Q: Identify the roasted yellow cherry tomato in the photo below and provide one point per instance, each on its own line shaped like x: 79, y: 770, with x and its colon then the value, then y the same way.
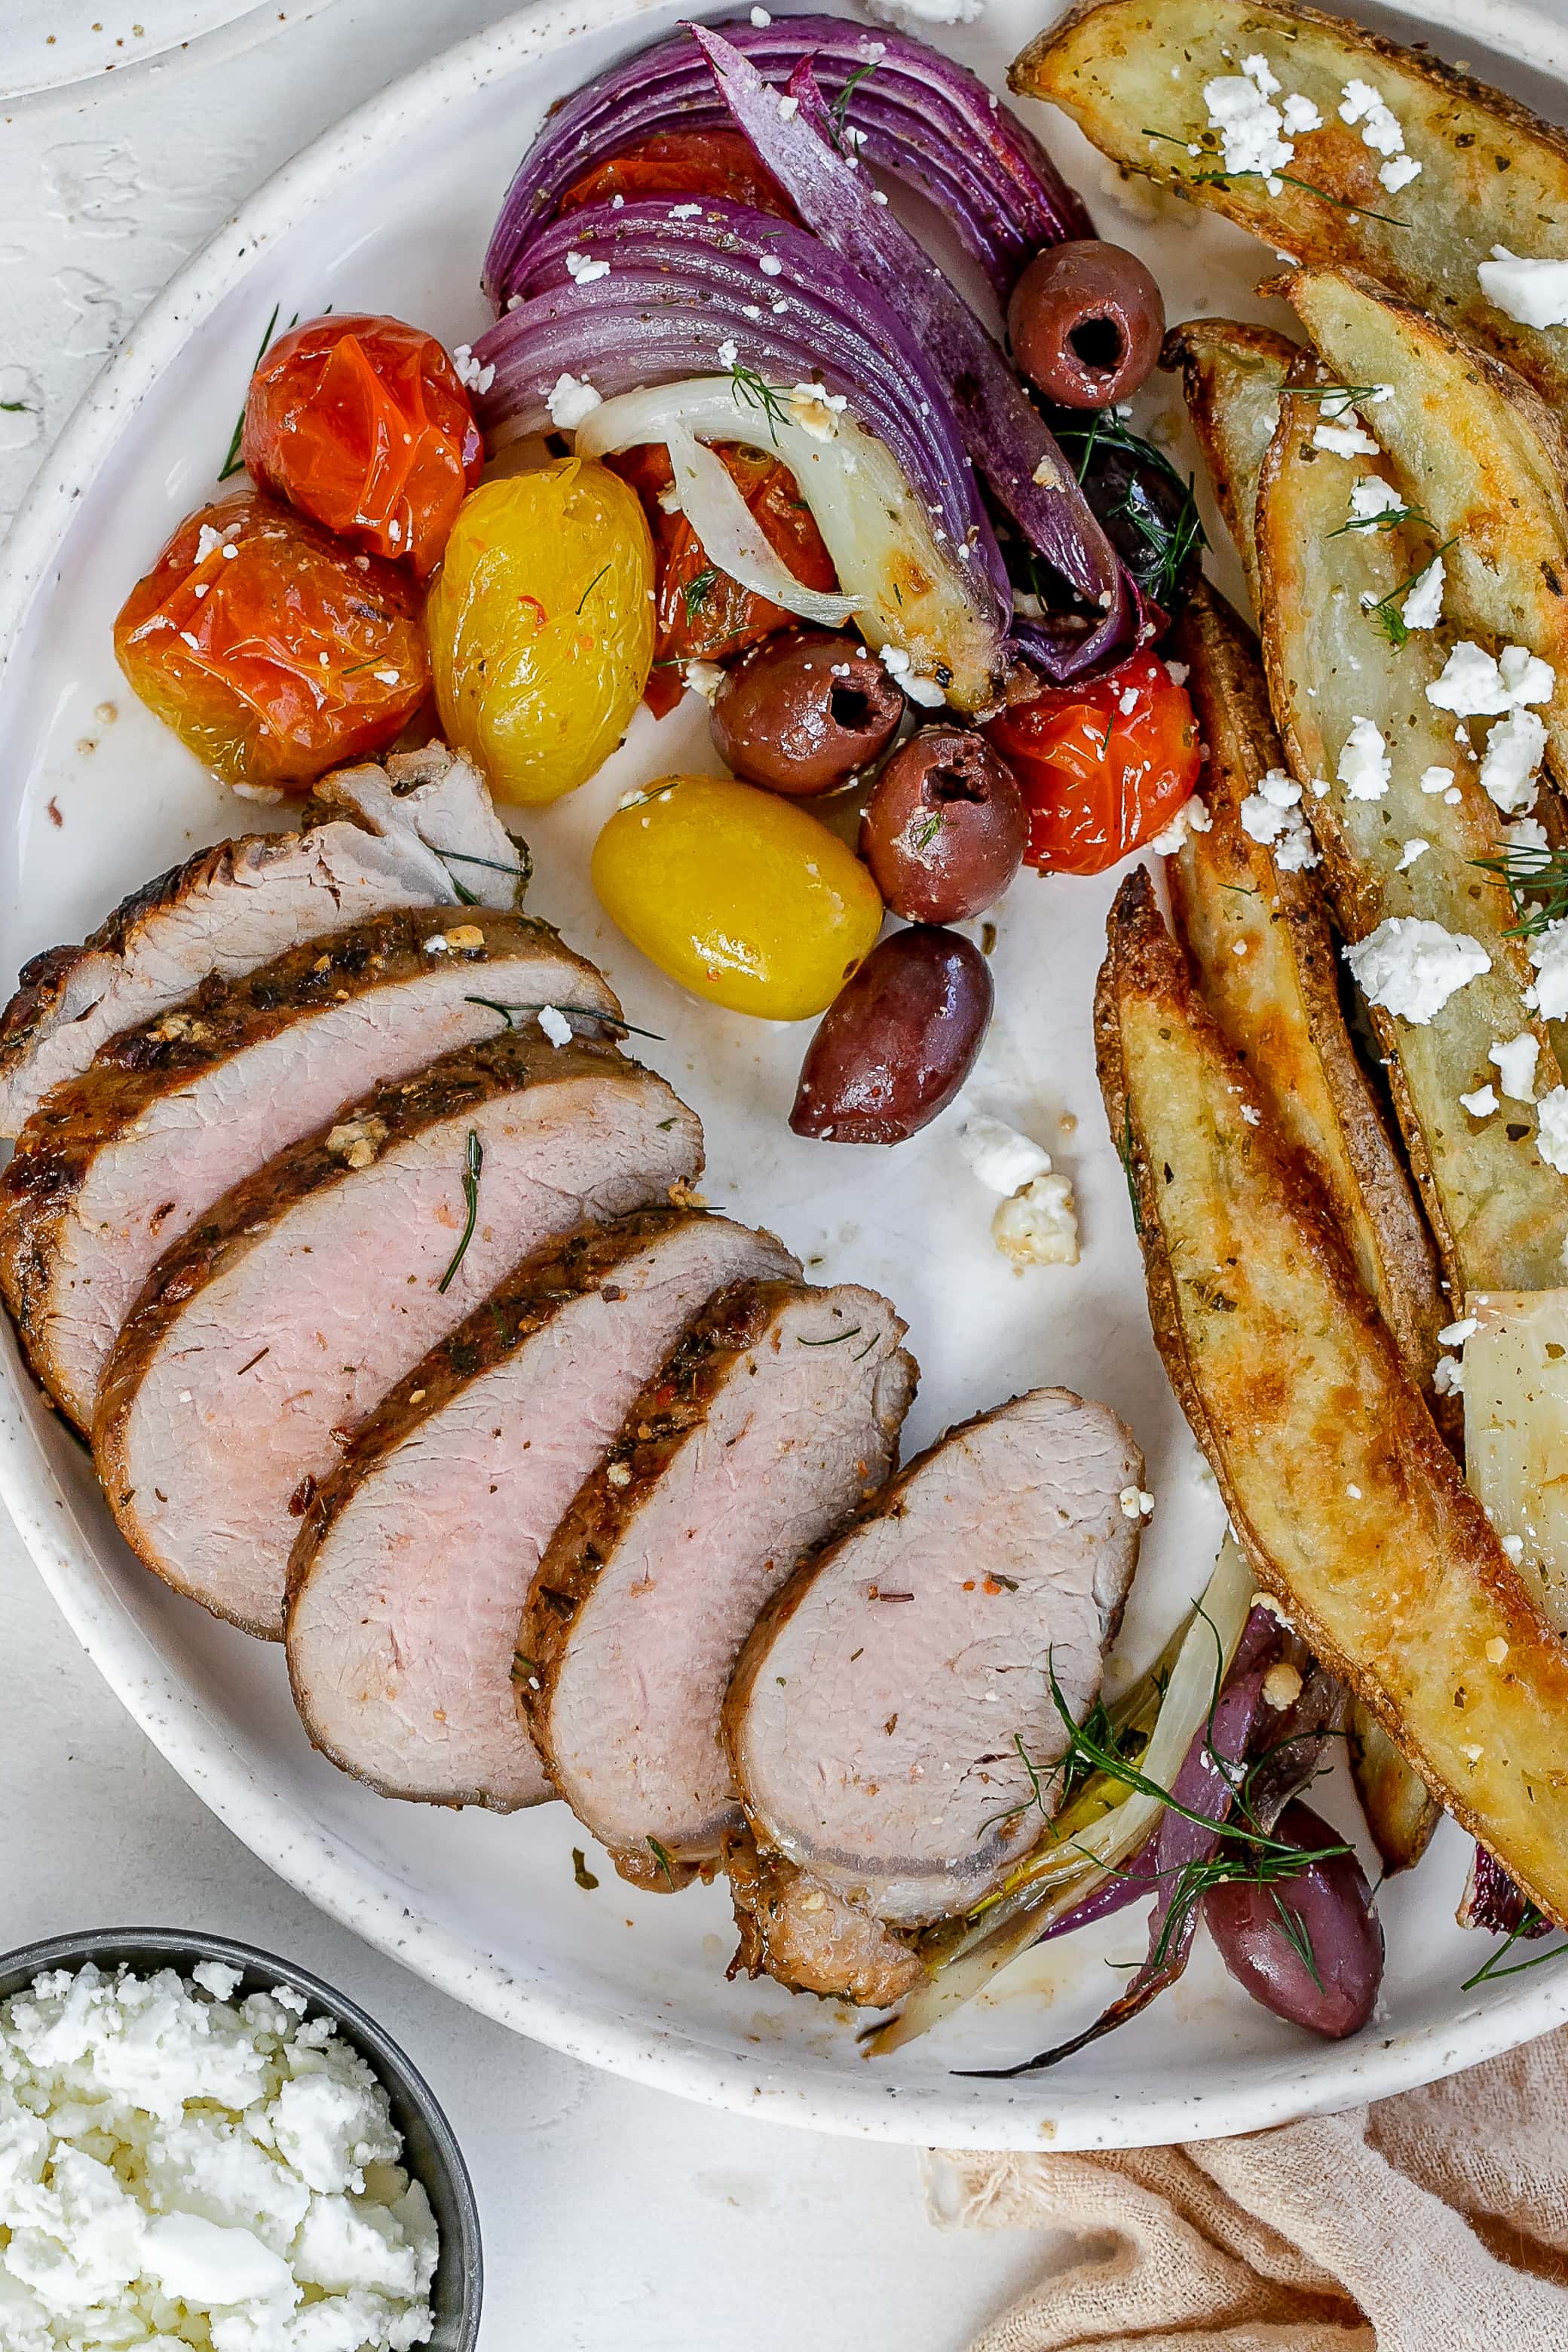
x: 540, y: 625
x: 737, y: 894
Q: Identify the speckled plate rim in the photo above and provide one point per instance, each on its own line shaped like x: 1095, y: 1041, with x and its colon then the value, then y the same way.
x: 196, y: 1739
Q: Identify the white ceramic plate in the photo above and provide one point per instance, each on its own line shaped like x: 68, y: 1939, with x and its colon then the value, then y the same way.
x: 391, y: 213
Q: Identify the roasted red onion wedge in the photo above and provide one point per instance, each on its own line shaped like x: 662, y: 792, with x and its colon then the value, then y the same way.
x: 903, y: 106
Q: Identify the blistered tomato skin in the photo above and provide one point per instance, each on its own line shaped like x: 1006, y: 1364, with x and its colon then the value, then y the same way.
x: 271, y: 651
x: 898, y: 1042
x: 362, y: 424
x: 1103, y: 764
x: 541, y: 625
x: 738, y: 894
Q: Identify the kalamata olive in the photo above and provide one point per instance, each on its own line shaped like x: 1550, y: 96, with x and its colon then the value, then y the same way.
x: 1087, y: 321
x: 898, y: 1041
x: 1322, y: 1967
x: 945, y: 828
x: 802, y: 711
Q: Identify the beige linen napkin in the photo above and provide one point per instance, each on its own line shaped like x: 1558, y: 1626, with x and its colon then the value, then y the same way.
x: 1434, y: 2222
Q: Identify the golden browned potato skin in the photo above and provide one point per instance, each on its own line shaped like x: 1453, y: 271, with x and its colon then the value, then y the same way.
x: 1475, y: 450
x: 1132, y: 74
x: 1348, y: 1503
x: 1259, y: 940
x: 1232, y: 377
x: 1499, y: 1212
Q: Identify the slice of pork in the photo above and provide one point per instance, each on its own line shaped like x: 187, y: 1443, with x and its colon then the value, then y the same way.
x: 290, y: 1310
x: 231, y: 908
x: 877, y: 1716
x: 778, y: 1414
x: 117, y: 1165
x: 812, y: 1938
x: 413, y: 1560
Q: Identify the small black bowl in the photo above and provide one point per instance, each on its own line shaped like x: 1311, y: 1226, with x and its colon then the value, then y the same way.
x: 430, y: 2153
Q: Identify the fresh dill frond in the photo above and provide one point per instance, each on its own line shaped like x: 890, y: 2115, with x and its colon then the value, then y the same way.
x: 1222, y: 179
x: 473, y: 1167
x: 1492, y: 1968
x: 1536, y: 880
x: 753, y: 391
x: 841, y: 103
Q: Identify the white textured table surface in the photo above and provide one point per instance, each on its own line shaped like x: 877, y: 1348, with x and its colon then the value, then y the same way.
x: 615, y: 2217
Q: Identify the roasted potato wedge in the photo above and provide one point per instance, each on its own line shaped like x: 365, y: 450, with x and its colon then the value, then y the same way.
x: 1258, y: 939
x: 1500, y: 1213
x: 1342, y: 1494
x: 1480, y: 456
x: 1133, y: 73
x: 1232, y: 376
x: 1400, y: 1810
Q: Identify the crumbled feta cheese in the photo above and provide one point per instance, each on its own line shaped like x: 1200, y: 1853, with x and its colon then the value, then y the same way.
x: 583, y: 269
x: 898, y: 667
x: 1551, y: 1128
x: 1127, y: 702
x: 817, y: 410
x: 1039, y: 1226
x: 238, y: 2162
x: 1456, y: 1334
x: 208, y: 543
x: 1348, y: 440
x: 1436, y: 780
x: 1482, y: 1103
x: 470, y: 373
x: 1531, y: 293
x: 1249, y: 127
x: 1136, y: 1502
x: 1272, y: 815
x: 909, y: 13
x: 1281, y: 1686
x: 1549, y: 954
x: 1365, y: 766
x: 1528, y: 833
x: 1381, y: 130
x: 572, y: 398
x: 1413, y: 851
x: 1192, y: 816
x: 788, y: 108
x: 1510, y: 765
x: 760, y: 18
x: 685, y: 212
x: 555, y: 1025
x: 1423, y: 608
x: 1370, y: 496
x: 1177, y: 672
x: 1474, y: 685
x: 1412, y: 967
x: 1449, y: 1376
x: 704, y: 677
x: 1514, y: 1547
x: 771, y: 266
x: 1003, y: 1159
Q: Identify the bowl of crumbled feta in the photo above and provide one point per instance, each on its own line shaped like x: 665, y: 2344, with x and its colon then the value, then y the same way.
x: 202, y: 2146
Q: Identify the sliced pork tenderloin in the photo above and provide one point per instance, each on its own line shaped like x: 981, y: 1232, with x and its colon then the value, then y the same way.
x: 777, y: 1415
x: 882, y: 1711
x: 117, y: 1165
x: 288, y: 1311
x: 244, y: 902
x: 414, y: 1556
x: 810, y: 1938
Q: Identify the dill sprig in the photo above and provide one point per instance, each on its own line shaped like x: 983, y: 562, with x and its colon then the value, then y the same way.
x: 1492, y: 1969
x: 1390, y: 518
x: 233, y: 462
x: 696, y: 592
x: 930, y: 829
x: 841, y: 103
x: 661, y: 1855
x: 836, y: 1340
x: 473, y: 1167
x: 1386, y: 614
x: 582, y: 1012
x: 1172, y: 541
x: 1537, y: 882
x: 1124, y: 1153
x: 1220, y: 179
x: 755, y: 392
x: 1349, y: 395
x: 592, y: 586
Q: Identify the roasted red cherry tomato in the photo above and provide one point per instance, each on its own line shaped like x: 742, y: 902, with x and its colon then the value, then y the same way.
x: 701, y: 613
x: 269, y: 649
x: 683, y: 163
x: 1104, y: 763
x: 364, y: 425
